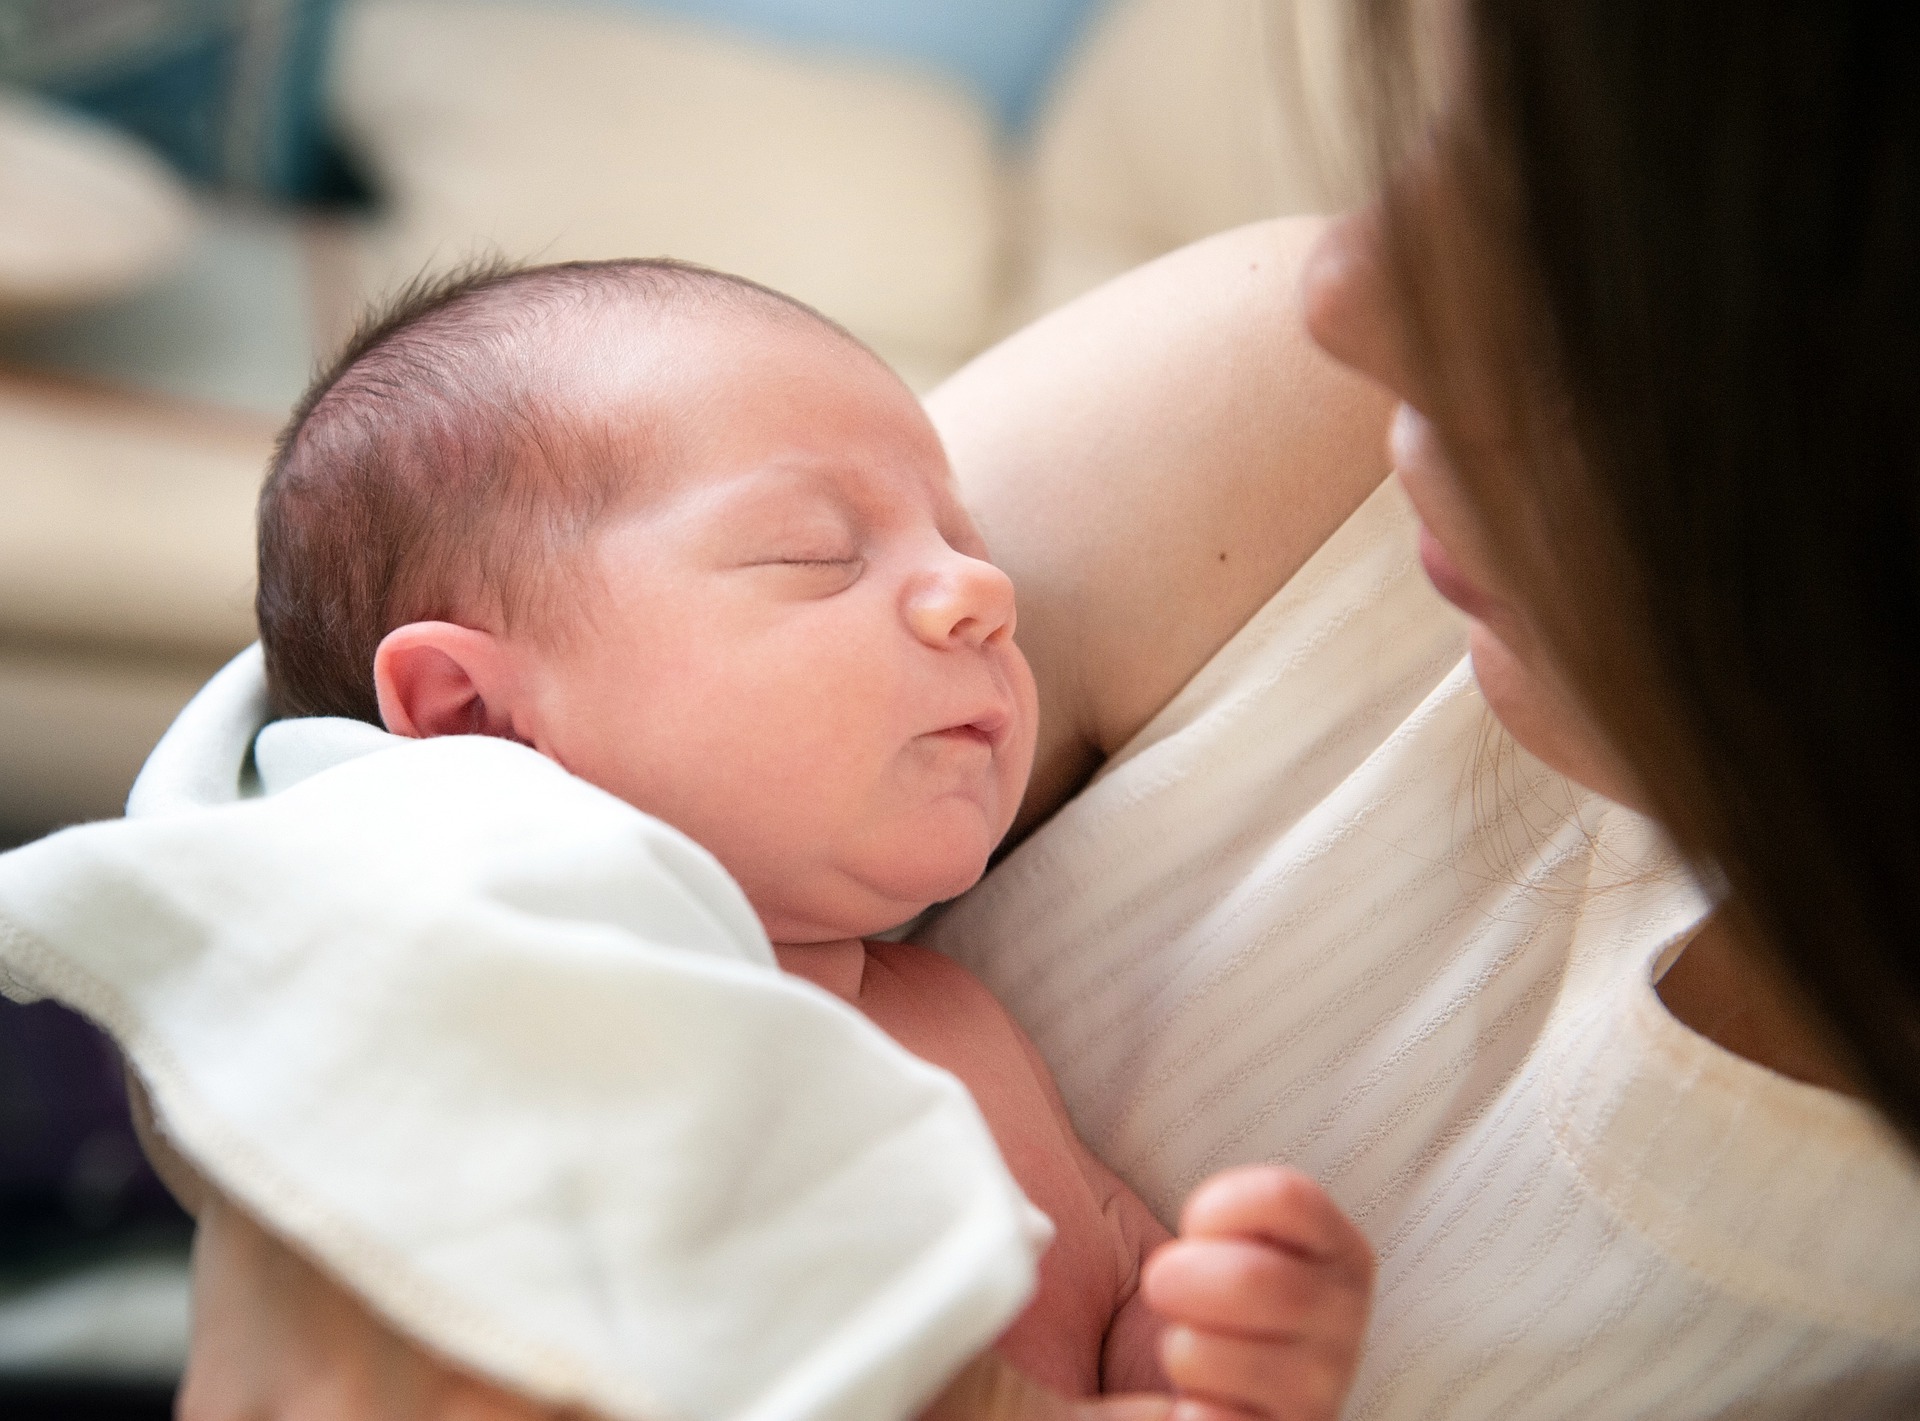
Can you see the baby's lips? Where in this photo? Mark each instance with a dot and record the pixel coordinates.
(989, 712)
(991, 725)
(974, 731)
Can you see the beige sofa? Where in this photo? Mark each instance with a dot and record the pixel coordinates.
(885, 197)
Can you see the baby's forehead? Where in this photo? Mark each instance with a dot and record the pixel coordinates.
(630, 402)
(679, 375)
(702, 372)
(624, 330)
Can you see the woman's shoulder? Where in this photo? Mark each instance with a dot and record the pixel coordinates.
(1149, 464)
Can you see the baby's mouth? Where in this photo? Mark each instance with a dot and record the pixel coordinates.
(985, 730)
(971, 733)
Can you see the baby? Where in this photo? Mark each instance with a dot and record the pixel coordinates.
(698, 545)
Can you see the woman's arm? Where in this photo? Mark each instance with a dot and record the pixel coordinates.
(275, 1339)
(1150, 464)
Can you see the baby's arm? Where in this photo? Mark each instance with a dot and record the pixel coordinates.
(1257, 1309)
(1130, 1357)
(1266, 1291)
(1130, 1360)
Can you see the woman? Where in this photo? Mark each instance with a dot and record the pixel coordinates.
(1648, 297)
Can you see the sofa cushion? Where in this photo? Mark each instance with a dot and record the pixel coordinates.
(1004, 50)
(231, 323)
(88, 214)
(128, 523)
(551, 132)
(78, 725)
(1178, 119)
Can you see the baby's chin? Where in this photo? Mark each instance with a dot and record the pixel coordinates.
(941, 860)
(860, 900)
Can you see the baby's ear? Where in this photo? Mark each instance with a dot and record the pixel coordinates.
(436, 678)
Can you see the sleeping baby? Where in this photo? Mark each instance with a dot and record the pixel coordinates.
(698, 545)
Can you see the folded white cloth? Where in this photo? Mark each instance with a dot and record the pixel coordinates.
(514, 1061)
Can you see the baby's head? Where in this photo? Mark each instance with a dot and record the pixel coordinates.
(680, 534)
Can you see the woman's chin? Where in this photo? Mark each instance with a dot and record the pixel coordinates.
(1545, 719)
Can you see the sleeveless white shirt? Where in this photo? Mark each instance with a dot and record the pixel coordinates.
(1320, 912)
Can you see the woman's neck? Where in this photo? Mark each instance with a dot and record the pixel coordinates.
(835, 967)
(1735, 997)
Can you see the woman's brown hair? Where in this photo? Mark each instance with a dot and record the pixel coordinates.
(1696, 236)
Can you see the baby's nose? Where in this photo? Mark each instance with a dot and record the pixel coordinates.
(963, 602)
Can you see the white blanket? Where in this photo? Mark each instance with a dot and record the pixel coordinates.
(514, 1061)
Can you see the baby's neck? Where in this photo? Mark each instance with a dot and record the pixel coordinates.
(836, 967)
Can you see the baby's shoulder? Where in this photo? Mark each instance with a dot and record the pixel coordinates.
(911, 962)
(898, 970)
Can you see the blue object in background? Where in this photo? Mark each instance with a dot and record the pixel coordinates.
(232, 91)
(1005, 51)
(229, 91)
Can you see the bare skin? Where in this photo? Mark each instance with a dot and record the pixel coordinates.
(1111, 455)
(1719, 987)
(1736, 999)
(1150, 464)
(275, 1336)
(803, 552)
(1187, 400)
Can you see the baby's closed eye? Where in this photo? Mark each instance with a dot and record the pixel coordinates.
(812, 573)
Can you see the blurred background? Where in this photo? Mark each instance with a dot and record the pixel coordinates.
(198, 197)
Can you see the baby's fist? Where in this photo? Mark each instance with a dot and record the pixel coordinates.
(1266, 1294)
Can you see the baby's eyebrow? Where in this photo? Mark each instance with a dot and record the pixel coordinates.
(766, 501)
(854, 491)
(797, 486)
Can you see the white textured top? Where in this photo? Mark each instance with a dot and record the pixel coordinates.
(1321, 912)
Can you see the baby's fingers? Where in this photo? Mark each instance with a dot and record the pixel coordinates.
(1268, 1288)
(1254, 1289)
(1282, 1207)
(1252, 1378)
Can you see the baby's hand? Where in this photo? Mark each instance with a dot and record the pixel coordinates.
(1266, 1293)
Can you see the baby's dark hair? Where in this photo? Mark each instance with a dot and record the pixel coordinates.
(432, 465)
